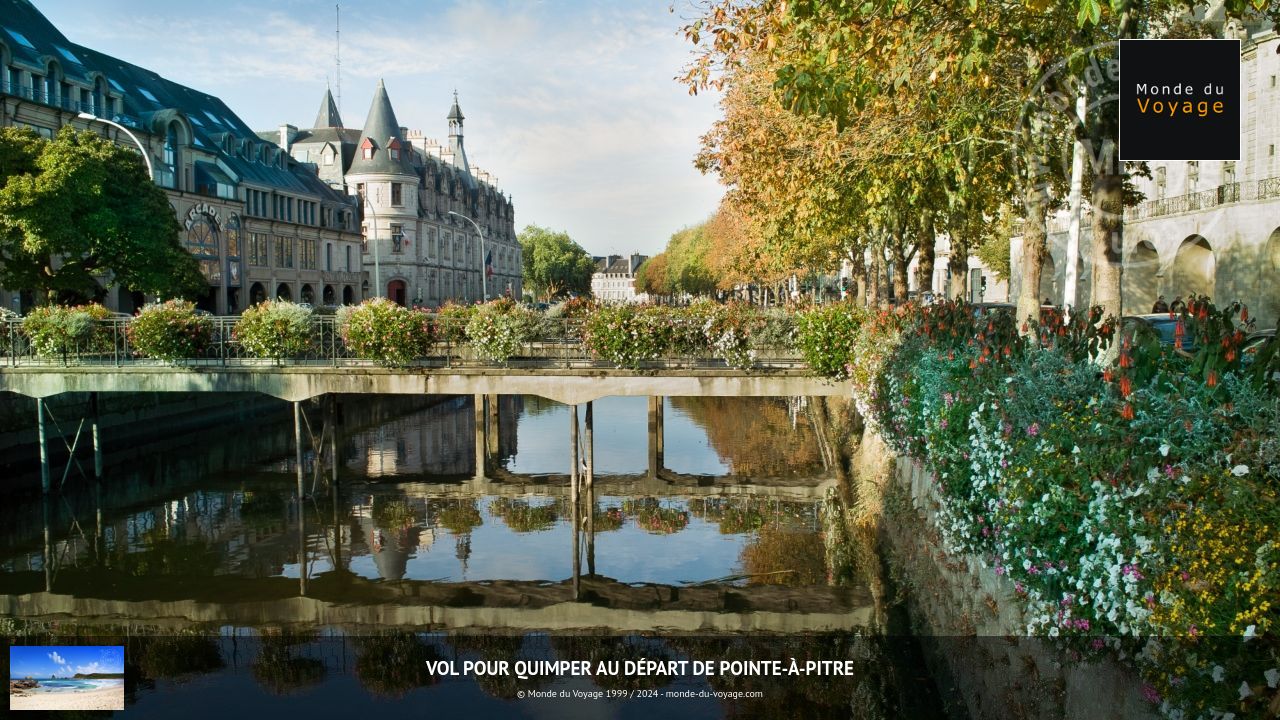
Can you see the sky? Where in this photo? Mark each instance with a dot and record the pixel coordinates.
(571, 105)
(43, 661)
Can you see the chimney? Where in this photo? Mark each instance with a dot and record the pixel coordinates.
(287, 134)
(636, 261)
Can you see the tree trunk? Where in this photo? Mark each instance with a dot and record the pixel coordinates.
(1034, 234)
(1108, 242)
(924, 269)
(875, 272)
(958, 264)
(900, 275)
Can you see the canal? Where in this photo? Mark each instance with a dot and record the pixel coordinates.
(232, 592)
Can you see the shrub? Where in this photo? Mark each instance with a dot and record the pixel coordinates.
(627, 335)
(58, 331)
(380, 330)
(8, 325)
(275, 329)
(170, 331)
(499, 328)
(825, 337)
(777, 330)
(452, 320)
(728, 330)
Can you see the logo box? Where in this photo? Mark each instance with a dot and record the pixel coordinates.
(1180, 100)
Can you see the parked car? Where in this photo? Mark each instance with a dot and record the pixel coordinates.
(1252, 344)
(990, 308)
(1165, 325)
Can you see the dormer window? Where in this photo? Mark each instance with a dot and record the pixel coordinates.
(393, 147)
(366, 149)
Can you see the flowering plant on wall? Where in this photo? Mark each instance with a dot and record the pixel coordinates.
(383, 331)
(170, 331)
(276, 329)
(56, 331)
(498, 329)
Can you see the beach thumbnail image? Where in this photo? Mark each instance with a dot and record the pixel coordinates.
(66, 677)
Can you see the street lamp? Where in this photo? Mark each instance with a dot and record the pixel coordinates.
(377, 266)
(484, 269)
(146, 158)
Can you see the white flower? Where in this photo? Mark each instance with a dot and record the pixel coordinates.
(1219, 673)
(1273, 677)
(1164, 450)
(1245, 690)
(1250, 633)
(1240, 470)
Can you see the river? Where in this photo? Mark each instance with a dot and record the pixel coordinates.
(232, 594)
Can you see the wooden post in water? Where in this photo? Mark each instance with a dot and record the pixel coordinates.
(297, 444)
(47, 558)
(44, 448)
(573, 446)
(97, 439)
(493, 425)
(480, 444)
(591, 530)
(590, 448)
(655, 403)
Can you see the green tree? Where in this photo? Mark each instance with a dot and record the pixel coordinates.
(554, 264)
(651, 276)
(78, 213)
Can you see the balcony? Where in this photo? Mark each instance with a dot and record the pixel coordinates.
(1226, 194)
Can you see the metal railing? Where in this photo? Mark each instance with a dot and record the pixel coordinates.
(1225, 194)
(556, 344)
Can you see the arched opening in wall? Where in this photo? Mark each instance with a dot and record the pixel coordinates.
(397, 291)
(257, 294)
(1194, 268)
(1140, 286)
(330, 297)
(348, 295)
(233, 300)
(1270, 275)
(308, 294)
(1050, 287)
(284, 292)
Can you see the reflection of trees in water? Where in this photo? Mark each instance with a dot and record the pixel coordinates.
(863, 694)
(394, 663)
(393, 513)
(521, 515)
(607, 518)
(597, 649)
(504, 686)
(280, 668)
(753, 436)
(655, 516)
(169, 656)
(743, 514)
(457, 515)
(161, 555)
(779, 556)
(534, 406)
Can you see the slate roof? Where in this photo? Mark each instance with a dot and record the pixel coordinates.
(382, 132)
(150, 102)
(328, 116)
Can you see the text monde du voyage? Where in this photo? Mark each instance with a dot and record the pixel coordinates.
(1179, 99)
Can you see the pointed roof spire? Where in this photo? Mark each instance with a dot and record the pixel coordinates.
(380, 140)
(455, 113)
(328, 116)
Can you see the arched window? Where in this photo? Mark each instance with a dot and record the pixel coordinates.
(100, 97)
(171, 146)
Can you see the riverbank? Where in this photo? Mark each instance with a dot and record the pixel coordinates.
(108, 698)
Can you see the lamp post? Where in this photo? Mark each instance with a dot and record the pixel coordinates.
(484, 269)
(377, 266)
(146, 158)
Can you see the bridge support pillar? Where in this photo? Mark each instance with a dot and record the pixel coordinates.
(573, 447)
(297, 444)
(44, 446)
(479, 401)
(97, 439)
(655, 437)
(491, 429)
(590, 449)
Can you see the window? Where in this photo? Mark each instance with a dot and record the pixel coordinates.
(397, 238)
(119, 88)
(233, 237)
(328, 257)
(202, 238)
(328, 156)
(1160, 182)
(284, 252)
(22, 39)
(307, 255)
(1228, 172)
(397, 194)
(171, 147)
(147, 94)
(70, 56)
(348, 258)
(258, 250)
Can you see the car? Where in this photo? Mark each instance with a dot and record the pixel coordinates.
(1165, 325)
(990, 308)
(1254, 342)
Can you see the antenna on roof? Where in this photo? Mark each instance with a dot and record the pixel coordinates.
(337, 50)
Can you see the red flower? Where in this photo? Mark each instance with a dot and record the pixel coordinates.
(1126, 386)
(1107, 375)
(1212, 380)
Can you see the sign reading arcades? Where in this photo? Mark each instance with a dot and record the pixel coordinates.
(1180, 100)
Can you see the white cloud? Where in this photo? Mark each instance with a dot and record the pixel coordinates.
(56, 658)
(93, 667)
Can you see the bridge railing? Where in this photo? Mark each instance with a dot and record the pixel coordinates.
(557, 342)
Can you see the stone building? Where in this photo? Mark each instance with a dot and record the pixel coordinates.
(614, 280)
(261, 224)
(1206, 227)
(419, 200)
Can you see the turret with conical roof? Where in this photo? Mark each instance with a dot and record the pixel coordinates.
(328, 116)
(455, 142)
(381, 149)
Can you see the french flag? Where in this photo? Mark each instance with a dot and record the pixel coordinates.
(488, 264)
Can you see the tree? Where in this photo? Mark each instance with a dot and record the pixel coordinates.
(79, 212)
(554, 264)
(651, 276)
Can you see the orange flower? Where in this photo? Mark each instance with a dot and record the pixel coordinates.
(1126, 386)
(1212, 380)
(1126, 412)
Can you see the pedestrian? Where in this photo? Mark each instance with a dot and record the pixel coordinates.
(1160, 306)
(1177, 305)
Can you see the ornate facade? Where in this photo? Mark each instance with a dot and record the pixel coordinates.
(261, 224)
(419, 201)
